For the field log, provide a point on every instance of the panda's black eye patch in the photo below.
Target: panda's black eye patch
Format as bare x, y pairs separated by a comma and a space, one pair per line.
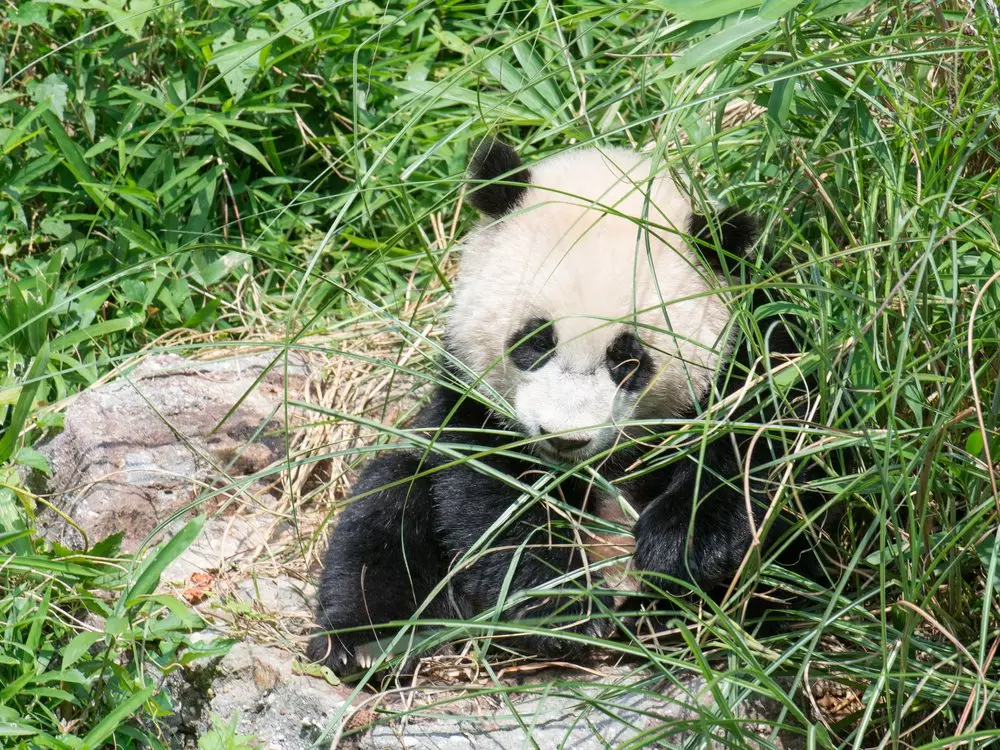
533, 344
628, 362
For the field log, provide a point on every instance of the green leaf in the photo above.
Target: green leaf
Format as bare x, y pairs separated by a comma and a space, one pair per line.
10, 537
79, 646
60, 695
11, 729
52, 90
294, 23
134, 290
19, 134
839, 7
513, 80
115, 626
61, 675
33, 459
15, 686
39, 618
13, 531
130, 17
110, 546
26, 14
452, 41
75, 162
25, 401
538, 73
205, 650
54, 227
239, 62
718, 45
106, 727
49, 419
772, 10
315, 670
364, 9
491, 105
702, 10
97, 331
41, 566
787, 377
779, 103
986, 551
974, 443
225, 736
154, 565
241, 144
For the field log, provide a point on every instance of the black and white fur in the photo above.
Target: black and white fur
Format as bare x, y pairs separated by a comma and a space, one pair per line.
582, 303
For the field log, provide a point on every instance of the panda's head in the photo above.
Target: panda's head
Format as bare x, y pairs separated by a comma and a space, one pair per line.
580, 300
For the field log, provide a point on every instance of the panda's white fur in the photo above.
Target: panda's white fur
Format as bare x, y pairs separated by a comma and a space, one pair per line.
596, 244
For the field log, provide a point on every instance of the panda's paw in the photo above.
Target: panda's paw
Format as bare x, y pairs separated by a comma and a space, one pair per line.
661, 560
670, 562
331, 652
600, 622
352, 661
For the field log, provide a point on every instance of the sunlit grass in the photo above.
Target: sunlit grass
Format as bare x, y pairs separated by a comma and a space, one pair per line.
146, 186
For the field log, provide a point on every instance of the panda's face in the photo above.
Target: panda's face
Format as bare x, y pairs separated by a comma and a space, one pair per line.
582, 304
572, 400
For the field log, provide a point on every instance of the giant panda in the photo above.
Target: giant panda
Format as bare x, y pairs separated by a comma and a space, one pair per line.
590, 308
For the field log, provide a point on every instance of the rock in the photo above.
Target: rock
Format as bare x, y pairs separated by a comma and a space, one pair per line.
283, 710
220, 573
583, 716
623, 707
136, 451
280, 595
224, 544
288, 711
553, 721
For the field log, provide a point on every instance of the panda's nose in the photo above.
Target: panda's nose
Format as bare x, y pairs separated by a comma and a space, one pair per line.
565, 444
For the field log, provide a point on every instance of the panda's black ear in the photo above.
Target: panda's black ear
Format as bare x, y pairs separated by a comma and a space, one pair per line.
498, 178
735, 230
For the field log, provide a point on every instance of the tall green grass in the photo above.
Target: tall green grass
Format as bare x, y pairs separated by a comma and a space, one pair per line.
279, 168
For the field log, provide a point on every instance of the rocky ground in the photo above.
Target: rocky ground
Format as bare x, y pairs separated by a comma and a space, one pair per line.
175, 436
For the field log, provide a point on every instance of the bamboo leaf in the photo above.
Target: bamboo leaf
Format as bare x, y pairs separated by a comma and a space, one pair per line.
718, 45
152, 568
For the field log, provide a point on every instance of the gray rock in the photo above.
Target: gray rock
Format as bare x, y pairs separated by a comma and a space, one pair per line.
287, 711
281, 595
224, 544
138, 450
283, 710
549, 722
585, 718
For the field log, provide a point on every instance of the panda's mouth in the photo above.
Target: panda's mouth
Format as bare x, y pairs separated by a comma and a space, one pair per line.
567, 448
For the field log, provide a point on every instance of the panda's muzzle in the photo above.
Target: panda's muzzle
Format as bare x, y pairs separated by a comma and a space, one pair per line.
564, 445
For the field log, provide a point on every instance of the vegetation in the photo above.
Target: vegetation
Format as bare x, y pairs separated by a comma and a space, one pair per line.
279, 169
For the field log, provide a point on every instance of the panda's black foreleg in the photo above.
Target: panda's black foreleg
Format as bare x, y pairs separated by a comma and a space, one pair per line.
518, 576
513, 566
708, 551
382, 563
